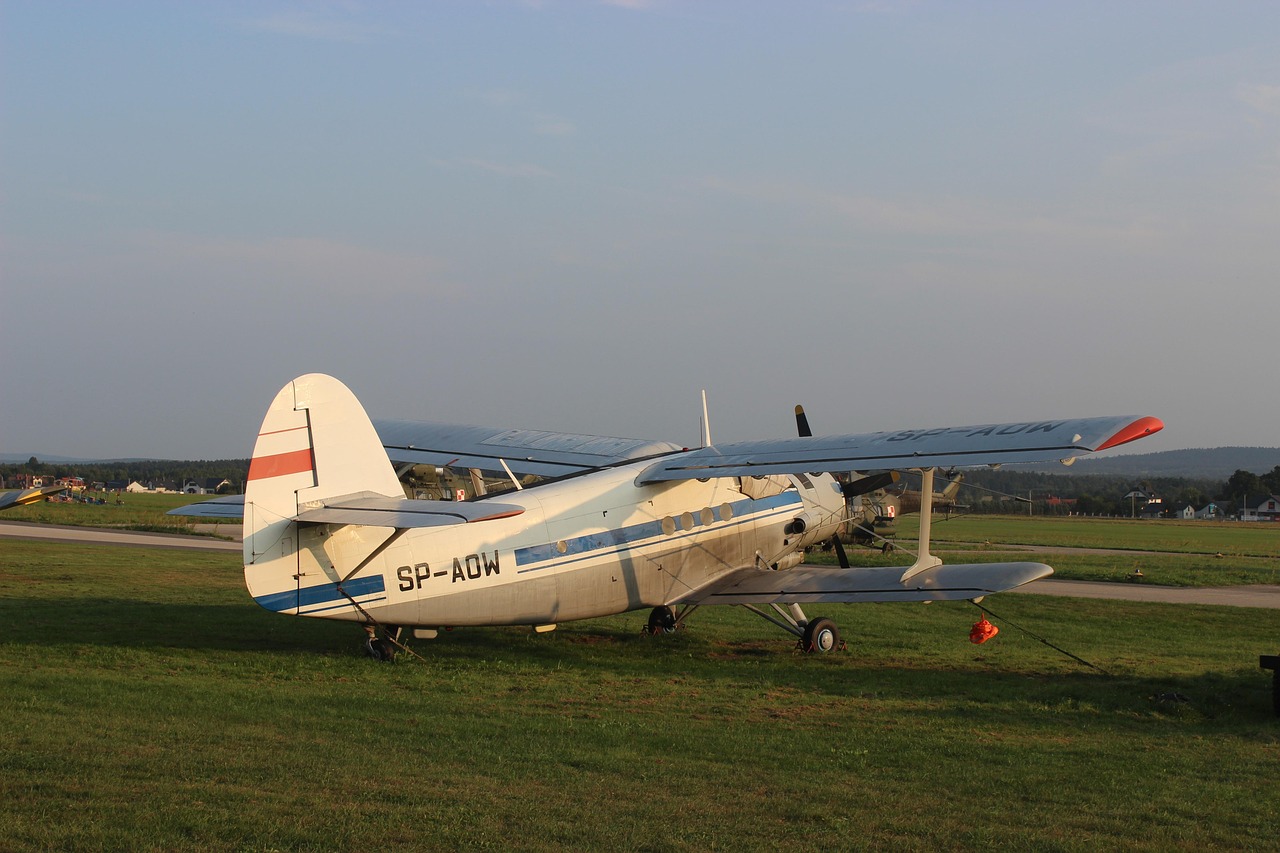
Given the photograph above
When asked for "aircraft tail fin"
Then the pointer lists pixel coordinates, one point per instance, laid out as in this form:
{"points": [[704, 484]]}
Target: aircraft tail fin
{"points": [[316, 442], [953, 486]]}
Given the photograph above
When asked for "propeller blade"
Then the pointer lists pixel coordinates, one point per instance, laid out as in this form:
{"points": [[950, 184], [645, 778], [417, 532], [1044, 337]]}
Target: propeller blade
{"points": [[802, 423], [841, 556]]}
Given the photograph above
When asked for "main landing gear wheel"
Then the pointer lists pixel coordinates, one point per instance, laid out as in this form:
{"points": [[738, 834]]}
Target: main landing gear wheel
{"points": [[380, 649], [662, 620], [821, 635]]}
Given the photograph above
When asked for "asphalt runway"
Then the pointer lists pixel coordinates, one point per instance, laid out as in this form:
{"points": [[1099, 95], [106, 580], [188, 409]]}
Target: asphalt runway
{"points": [[1250, 595], [103, 536], [1253, 595]]}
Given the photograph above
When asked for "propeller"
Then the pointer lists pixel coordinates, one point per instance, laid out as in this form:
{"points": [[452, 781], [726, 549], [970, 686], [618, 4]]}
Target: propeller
{"points": [[802, 423], [858, 487]]}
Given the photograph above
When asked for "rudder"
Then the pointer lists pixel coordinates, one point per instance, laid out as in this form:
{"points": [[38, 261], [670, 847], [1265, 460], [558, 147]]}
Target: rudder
{"points": [[316, 442]]}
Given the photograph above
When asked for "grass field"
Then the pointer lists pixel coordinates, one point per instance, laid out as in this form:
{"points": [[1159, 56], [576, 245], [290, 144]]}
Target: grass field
{"points": [[150, 705], [1171, 553], [139, 511]]}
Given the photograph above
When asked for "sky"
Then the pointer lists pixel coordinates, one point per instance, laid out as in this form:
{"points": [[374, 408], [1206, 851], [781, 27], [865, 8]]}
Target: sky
{"points": [[576, 216]]}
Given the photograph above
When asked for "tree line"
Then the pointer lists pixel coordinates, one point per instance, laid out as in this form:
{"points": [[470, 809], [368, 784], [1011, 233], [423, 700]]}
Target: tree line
{"points": [[983, 490], [145, 471], [1108, 494]]}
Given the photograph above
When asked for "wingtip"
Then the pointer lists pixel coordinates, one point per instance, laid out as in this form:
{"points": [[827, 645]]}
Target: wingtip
{"points": [[1141, 428]]}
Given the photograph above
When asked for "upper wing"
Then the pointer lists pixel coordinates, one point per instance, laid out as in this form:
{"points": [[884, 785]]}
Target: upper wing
{"points": [[545, 454], [986, 444], [809, 584]]}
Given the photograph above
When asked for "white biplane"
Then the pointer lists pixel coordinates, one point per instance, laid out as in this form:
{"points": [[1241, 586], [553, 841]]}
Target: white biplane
{"points": [[613, 525]]}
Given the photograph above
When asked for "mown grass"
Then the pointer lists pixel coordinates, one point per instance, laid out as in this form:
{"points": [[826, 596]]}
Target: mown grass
{"points": [[150, 705], [1170, 553], [1236, 539], [1161, 569]]}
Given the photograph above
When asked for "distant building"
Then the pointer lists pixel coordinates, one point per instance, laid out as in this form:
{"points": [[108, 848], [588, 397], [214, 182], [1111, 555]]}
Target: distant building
{"points": [[1209, 511], [1267, 510], [211, 486]]}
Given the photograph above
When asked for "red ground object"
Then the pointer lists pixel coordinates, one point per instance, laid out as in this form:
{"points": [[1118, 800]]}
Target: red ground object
{"points": [[982, 631]]}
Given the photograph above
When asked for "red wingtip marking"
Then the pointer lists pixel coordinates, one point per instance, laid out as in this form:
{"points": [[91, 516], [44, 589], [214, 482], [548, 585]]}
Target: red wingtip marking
{"points": [[1141, 428], [294, 462]]}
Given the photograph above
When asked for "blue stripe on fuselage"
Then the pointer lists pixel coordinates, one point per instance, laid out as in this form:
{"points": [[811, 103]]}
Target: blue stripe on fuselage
{"points": [[309, 596], [744, 511]]}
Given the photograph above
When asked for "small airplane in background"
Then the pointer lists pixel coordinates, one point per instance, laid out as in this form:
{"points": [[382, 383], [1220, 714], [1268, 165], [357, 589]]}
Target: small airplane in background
{"points": [[612, 525], [8, 500]]}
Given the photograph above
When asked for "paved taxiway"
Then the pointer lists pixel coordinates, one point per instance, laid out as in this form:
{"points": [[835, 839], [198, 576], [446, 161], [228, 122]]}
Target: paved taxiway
{"points": [[104, 536], [1254, 595]]}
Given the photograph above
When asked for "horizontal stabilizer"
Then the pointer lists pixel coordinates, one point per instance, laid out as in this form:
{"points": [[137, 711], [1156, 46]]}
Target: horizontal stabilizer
{"points": [[227, 506], [811, 584], [379, 511]]}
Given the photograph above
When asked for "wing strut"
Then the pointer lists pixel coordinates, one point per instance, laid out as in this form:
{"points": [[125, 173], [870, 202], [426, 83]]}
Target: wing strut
{"points": [[924, 560]]}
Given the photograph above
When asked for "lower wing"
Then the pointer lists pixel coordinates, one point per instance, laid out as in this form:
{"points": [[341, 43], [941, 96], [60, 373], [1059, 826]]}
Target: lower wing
{"points": [[808, 584]]}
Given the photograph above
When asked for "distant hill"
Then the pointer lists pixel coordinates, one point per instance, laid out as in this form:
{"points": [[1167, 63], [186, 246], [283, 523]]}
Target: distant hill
{"points": [[21, 459], [1216, 463], [1213, 463]]}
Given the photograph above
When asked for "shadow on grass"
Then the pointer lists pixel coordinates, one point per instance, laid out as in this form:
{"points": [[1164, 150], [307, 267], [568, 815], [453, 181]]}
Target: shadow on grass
{"points": [[930, 677]]}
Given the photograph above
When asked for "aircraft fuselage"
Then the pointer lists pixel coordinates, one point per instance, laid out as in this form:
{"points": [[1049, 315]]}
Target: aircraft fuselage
{"points": [[588, 546]]}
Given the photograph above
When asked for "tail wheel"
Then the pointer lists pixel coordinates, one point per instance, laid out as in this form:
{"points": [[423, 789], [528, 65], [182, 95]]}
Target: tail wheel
{"points": [[662, 620], [821, 636]]}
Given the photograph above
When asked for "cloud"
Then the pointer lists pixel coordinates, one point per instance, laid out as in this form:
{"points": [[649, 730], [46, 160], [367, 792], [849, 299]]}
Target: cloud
{"points": [[946, 217], [548, 125], [510, 170], [1261, 97], [283, 265], [521, 107], [316, 24]]}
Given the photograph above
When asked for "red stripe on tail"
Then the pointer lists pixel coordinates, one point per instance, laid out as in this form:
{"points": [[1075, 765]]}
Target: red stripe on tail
{"points": [[294, 462]]}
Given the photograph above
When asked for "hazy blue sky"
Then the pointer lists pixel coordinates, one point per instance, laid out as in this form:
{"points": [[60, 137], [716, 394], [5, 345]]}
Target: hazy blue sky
{"points": [[575, 215]]}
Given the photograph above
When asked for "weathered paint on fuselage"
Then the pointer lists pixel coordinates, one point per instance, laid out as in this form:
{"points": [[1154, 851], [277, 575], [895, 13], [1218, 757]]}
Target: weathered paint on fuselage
{"points": [[590, 546]]}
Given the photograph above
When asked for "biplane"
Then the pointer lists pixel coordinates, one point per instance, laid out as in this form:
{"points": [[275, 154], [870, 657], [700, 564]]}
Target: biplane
{"points": [[590, 526]]}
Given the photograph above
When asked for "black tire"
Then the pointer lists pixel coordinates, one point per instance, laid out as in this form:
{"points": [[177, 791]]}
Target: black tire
{"points": [[378, 649], [662, 620], [821, 636]]}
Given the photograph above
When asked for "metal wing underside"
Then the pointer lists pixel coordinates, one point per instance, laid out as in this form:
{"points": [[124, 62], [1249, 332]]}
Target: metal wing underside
{"points": [[811, 584], [544, 454], [227, 506], [985, 444]]}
